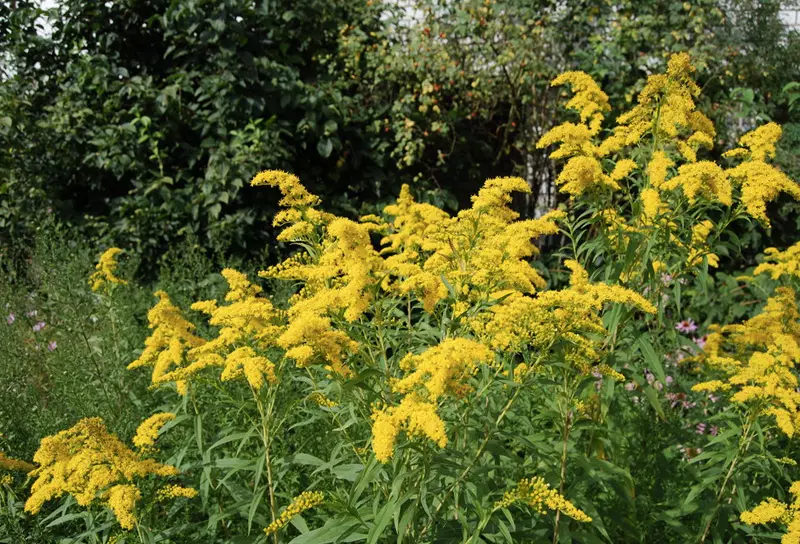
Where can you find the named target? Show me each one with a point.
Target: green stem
(744, 443)
(265, 436)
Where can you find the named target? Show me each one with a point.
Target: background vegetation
(139, 123)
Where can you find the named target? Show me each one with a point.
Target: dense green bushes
(140, 122)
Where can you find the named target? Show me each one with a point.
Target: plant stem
(265, 416)
(744, 443)
(474, 460)
(563, 477)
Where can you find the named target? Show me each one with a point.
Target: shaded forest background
(138, 123)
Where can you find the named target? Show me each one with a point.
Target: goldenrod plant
(429, 378)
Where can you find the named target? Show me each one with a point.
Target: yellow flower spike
(658, 167)
(442, 369)
(305, 501)
(246, 317)
(758, 359)
(105, 270)
(703, 178)
(121, 499)
(538, 494)
(147, 432)
(414, 415)
(294, 194)
(780, 263)
(175, 491)
(758, 144)
(698, 247)
(166, 347)
(651, 203)
(16, 465)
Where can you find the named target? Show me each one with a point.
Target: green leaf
(325, 147)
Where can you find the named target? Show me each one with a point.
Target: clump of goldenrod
(773, 510)
(305, 501)
(105, 270)
(92, 465)
(165, 349)
(758, 361)
(538, 494)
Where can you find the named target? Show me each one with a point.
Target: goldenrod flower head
(121, 499)
(657, 168)
(758, 144)
(538, 494)
(414, 415)
(147, 432)
(761, 183)
(294, 194)
(443, 369)
(167, 345)
(91, 464)
(305, 501)
(704, 178)
(758, 359)
(106, 269)
(581, 174)
(255, 368)
(589, 100)
(172, 491)
(246, 318)
(699, 248)
(780, 263)
(768, 511)
(322, 400)
(651, 203)
(8, 463)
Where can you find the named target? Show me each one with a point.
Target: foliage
(141, 121)
(426, 382)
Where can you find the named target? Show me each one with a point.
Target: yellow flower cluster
(89, 463)
(780, 263)
(772, 510)
(759, 358)
(105, 270)
(175, 491)
(166, 347)
(8, 463)
(522, 323)
(538, 494)
(147, 432)
(760, 181)
(322, 400)
(480, 253)
(246, 318)
(441, 370)
(666, 112)
(414, 415)
(305, 501)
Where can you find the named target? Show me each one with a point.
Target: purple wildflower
(701, 428)
(52, 345)
(630, 386)
(11, 318)
(686, 326)
(31, 313)
(701, 341)
(39, 326)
